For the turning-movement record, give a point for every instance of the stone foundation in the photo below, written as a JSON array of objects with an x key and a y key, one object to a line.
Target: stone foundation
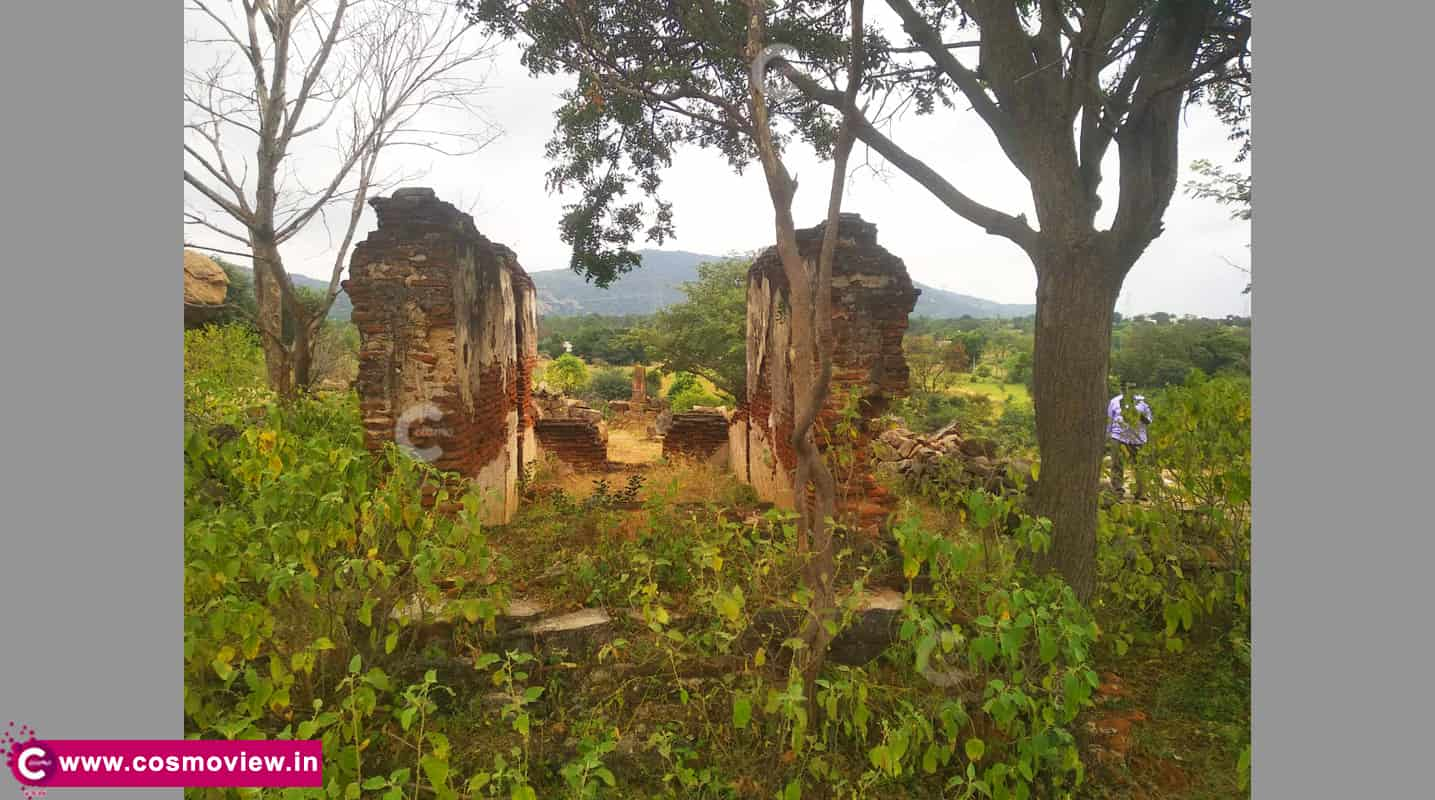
[
  {"x": 447, "y": 331},
  {"x": 872, "y": 296}
]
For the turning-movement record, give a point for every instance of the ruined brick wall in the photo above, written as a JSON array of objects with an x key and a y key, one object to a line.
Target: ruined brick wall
[
  {"x": 698, "y": 435},
  {"x": 526, "y": 314},
  {"x": 580, "y": 443},
  {"x": 872, "y": 296},
  {"x": 437, "y": 308}
]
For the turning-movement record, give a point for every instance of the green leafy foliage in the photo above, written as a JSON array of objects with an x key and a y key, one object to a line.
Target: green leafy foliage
[
  {"x": 1185, "y": 557},
  {"x": 1030, "y": 647},
  {"x": 313, "y": 568},
  {"x": 927, "y": 413},
  {"x": 687, "y": 391},
  {"x": 223, "y": 373},
  {"x": 299, "y": 548},
  {"x": 706, "y": 334},
  {"x": 610, "y": 383},
  {"x": 567, "y": 374},
  {"x": 596, "y": 338},
  {"x": 1153, "y": 354},
  {"x": 682, "y": 382}
]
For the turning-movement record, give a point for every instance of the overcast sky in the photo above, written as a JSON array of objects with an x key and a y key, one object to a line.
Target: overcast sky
[{"x": 718, "y": 212}]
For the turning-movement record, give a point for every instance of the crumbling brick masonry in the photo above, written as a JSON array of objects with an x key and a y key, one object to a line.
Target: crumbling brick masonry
[
  {"x": 872, "y": 296},
  {"x": 447, "y": 329},
  {"x": 580, "y": 443},
  {"x": 698, "y": 435}
]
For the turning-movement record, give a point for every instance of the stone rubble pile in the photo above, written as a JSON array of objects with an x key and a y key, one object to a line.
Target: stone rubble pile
[{"x": 948, "y": 457}]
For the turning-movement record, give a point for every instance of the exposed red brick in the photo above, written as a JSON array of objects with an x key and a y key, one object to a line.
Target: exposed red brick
[
  {"x": 872, "y": 296},
  {"x": 576, "y": 442},
  {"x": 443, "y": 346},
  {"x": 696, "y": 435}
]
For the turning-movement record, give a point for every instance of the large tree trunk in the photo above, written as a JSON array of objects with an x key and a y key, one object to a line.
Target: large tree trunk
[
  {"x": 269, "y": 303},
  {"x": 811, "y": 376},
  {"x": 1075, "y": 298},
  {"x": 302, "y": 354}
]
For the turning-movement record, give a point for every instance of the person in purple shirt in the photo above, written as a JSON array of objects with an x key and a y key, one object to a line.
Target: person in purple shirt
[{"x": 1126, "y": 440}]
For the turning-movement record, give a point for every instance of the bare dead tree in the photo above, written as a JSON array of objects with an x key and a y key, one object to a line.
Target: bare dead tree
[{"x": 350, "y": 78}]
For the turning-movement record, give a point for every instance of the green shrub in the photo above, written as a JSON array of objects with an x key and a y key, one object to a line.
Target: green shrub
[
  {"x": 1018, "y": 369},
  {"x": 223, "y": 370},
  {"x": 1015, "y": 429},
  {"x": 928, "y": 413},
  {"x": 1029, "y": 648},
  {"x": 693, "y": 396},
  {"x": 298, "y": 546},
  {"x": 683, "y": 382},
  {"x": 567, "y": 374},
  {"x": 611, "y": 383},
  {"x": 1181, "y": 563}
]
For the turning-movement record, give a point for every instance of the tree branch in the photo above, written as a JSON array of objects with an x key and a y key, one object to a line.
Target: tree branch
[
  {"x": 931, "y": 43},
  {"x": 992, "y": 221}
]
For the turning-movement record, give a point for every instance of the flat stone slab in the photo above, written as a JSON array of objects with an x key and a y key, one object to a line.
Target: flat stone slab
[
  {"x": 523, "y": 608},
  {"x": 883, "y": 600},
  {"x": 578, "y": 620},
  {"x": 578, "y": 631}
]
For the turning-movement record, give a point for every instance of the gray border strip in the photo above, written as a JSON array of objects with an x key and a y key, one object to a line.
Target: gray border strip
[
  {"x": 91, "y": 566},
  {"x": 90, "y": 576},
  {"x": 1340, "y": 690}
]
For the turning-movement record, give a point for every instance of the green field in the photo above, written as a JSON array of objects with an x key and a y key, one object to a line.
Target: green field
[{"x": 1000, "y": 393}]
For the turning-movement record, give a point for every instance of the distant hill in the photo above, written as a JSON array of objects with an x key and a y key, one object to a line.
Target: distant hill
[
  {"x": 341, "y": 310},
  {"x": 658, "y": 283}
]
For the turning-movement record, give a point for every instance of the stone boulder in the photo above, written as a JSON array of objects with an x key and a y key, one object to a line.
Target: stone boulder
[
  {"x": 949, "y": 457},
  {"x": 205, "y": 287}
]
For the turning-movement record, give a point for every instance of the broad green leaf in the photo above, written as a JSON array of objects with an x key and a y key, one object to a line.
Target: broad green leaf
[
  {"x": 985, "y": 646},
  {"x": 435, "y": 770},
  {"x": 929, "y": 759},
  {"x": 741, "y": 712}
]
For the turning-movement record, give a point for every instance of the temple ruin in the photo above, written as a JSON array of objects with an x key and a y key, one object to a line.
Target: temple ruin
[
  {"x": 448, "y": 347},
  {"x": 872, "y": 297},
  {"x": 447, "y": 324}
]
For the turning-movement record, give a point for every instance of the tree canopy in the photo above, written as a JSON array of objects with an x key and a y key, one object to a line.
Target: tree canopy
[{"x": 706, "y": 334}]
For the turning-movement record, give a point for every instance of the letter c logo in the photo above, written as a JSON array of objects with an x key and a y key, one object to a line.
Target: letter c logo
[
  {"x": 421, "y": 412},
  {"x": 22, "y": 763}
]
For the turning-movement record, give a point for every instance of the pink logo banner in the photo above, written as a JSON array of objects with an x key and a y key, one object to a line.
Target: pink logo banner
[{"x": 166, "y": 763}]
